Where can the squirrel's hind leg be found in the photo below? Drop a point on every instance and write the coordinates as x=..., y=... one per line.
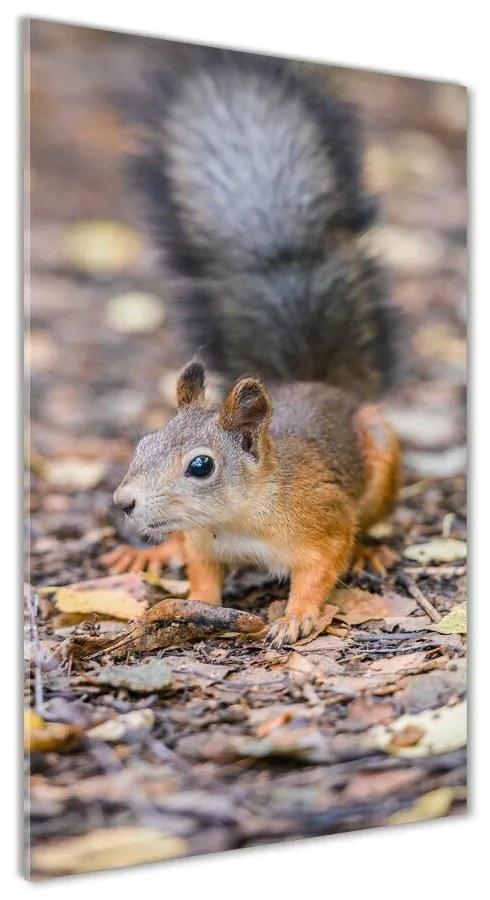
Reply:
x=377, y=557
x=152, y=559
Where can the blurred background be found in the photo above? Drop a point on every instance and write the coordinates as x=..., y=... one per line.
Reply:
x=99, y=359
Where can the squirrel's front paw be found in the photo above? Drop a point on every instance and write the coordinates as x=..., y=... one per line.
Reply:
x=290, y=628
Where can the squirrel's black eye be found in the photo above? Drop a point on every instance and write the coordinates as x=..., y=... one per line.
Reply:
x=200, y=467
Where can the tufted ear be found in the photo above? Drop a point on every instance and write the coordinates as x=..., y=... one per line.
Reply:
x=246, y=410
x=190, y=385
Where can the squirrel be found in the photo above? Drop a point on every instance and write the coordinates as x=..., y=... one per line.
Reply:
x=252, y=173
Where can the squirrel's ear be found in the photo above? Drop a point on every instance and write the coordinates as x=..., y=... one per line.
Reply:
x=190, y=384
x=246, y=410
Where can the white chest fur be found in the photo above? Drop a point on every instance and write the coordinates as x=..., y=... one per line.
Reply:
x=242, y=549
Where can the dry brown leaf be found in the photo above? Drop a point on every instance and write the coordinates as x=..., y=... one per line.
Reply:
x=271, y=724
x=168, y=624
x=105, y=848
x=357, y=606
x=307, y=744
x=369, y=785
x=329, y=612
x=366, y=711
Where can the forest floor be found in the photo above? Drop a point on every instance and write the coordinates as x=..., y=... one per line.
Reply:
x=222, y=742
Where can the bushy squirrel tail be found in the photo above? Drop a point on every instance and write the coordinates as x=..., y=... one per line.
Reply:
x=251, y=169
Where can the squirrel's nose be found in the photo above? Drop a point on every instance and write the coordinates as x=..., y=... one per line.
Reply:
x=125, y=501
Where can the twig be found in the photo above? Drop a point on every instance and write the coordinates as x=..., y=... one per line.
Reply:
x=415, y=592
x=33, y=600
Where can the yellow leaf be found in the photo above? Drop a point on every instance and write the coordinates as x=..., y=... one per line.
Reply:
x=432, y=805
x=454, y=623
x=174, y=587
x=116, y=603
x=42, y=737
x=105, y=247
x=441, y=731
x=74, y=474
x=115, y=729
x=441, y=550
x=134, y=313
x=106, y=848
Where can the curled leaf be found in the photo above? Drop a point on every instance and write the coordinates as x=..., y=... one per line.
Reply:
x=168, y=624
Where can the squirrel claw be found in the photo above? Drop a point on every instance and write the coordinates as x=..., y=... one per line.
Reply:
x=378, y=557
x=133, y=559
x=289, y=629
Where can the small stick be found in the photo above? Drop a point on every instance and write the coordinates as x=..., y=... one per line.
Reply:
x=415, y=592
x=33, y=600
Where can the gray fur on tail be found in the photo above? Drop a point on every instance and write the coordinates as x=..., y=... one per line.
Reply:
x=251, y=169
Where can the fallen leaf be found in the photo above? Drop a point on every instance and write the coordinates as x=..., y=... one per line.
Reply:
x=407, y=737
x=172, y=586
x=135, y=313
x=367, y=785
x=434, y=689
x=307, y=744
x=43, y=737
x=145, y=678
x=115, y=729
x=116, y=604
x=326, y=618
x=102, y=247
x=117, y=596
x=271, y=724
x=73, y=474
x=439, y=550
x=358, y=606
x=454, y=623
x=168, y=624
x=432, y=805
x=444, y=730
x=106, y=848
x=366, y=711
